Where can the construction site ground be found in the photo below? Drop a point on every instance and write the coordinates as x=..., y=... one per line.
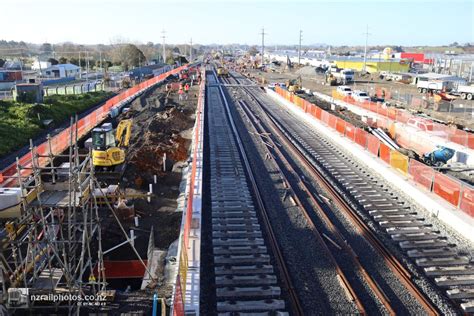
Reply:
x=162, y=125
x=461, y=113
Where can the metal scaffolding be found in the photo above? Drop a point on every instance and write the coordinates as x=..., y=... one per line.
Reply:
x=54, y=245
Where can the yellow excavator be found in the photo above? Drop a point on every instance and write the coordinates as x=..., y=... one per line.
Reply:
x=108, y=149
x=293, y=85
x=222, y=72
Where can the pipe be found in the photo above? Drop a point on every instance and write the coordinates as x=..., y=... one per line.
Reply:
x=155, y=304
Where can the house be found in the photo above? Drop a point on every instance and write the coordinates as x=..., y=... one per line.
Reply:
x=61, y=71
x=40, y=65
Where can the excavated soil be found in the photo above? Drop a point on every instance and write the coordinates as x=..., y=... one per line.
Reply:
x=160, y=126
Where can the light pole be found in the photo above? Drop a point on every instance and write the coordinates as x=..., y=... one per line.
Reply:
x=365, y=48
x=164, y=48
x=263, y=42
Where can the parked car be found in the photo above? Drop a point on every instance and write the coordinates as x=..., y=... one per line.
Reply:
x=344, y=90
x=360, y=96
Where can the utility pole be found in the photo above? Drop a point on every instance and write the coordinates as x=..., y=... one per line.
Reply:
x=365, y=49
x=299, y=49
x=80, y=68
x=263, y=42
x=164, y=48
x=191, y=50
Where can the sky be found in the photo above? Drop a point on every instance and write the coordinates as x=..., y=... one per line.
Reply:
x=409, y=23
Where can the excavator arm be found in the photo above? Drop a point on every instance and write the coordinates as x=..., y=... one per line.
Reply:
x=123, y=133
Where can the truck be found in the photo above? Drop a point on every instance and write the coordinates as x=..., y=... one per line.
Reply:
x=336, y=75
x=425, y=86
x=465, y=92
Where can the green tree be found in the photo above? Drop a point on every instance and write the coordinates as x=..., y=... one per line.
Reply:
x=127, y=55
x=253, y=51
x=62, y=60
x=46, y=48
x=2, y=62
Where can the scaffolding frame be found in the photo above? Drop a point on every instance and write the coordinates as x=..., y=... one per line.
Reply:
x=55, y=238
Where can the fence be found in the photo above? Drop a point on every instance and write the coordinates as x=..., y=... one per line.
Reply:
x=75, y=88
x=180, y=288
x=60, y=142
x=402, y=116
x=457, y=193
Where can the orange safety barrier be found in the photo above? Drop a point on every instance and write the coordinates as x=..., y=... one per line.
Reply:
x=447, y=188
x=325, y=117
x=470, y=141
x=385, y=153
x=318, y=112
x=340, y=126
x=361, y=137
x=350, y=131
x=392, y=113
x=178, y=302
x=399, y=161
x=332, y=121
x=421, y=174
x=373, y=144
x=467, y=200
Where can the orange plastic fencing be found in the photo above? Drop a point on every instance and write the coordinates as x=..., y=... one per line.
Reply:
x=332, y=121
x=385, y=153
x=178, y=302
x=421, y=174
x=325, y=117
x=361, y=137
x=373, y=144
x=341, y=126
x=467, y=200
x=399, y=161
x=350, y=131
x=447, y=188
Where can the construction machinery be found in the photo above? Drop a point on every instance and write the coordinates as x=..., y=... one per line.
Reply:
x=222, y=72
x=108, y=149
x=293, y=85
x=439, y=156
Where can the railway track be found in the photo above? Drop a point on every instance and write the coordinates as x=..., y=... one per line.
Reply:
x=347, y=182
x=245, y=278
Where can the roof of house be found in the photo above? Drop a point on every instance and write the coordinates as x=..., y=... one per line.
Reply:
x=64, y=66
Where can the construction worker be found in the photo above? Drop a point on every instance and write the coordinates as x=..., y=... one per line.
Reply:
x=186, y=90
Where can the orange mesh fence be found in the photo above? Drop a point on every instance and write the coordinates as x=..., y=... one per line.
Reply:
x=467, y=200
x=385, y=153
x=399, y=161
x=361, y=137
x=421, y=174
x=447, y=188
x=373, y=144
